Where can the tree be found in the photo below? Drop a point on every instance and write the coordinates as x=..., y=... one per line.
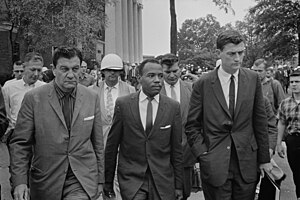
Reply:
x=42, y=24
x=223, y=4
x=278, y=23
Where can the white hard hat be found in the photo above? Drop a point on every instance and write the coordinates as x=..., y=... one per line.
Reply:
x=83, y=64
x=111, y=61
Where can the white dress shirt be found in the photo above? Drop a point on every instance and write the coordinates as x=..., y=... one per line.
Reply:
x=13, y=93
x=114, y=93
x=143, y=102
x=176, y=89
x=225, y=83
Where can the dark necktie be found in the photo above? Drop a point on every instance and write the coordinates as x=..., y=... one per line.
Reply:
x=149, y=116
x=231, y=96
x=67, y=110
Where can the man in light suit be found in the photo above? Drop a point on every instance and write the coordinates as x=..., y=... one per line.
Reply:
x=147, y=131
x=108, y=91
x=227, y=125
x=180, y=91
x=57, y=146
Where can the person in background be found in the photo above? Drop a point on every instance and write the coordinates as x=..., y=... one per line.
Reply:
x=288, y=128
x=146, y=134
x=132, y=75
x=57, y=145
x=227, y=125
x=84, y=77
x=271, y=88
x=18, y=70
x=108, y=91
x=180, y=91
x=13, y=92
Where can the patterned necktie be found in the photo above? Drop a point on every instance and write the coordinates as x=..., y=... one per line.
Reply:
x=173, y=93
x=231, y=96
x=109, y=104
x=149, y=116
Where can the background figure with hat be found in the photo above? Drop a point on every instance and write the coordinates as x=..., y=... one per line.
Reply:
x=85, y=78
x=132, y=75
x=109, y=90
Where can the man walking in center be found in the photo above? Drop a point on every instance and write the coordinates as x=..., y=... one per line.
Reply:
x=57, y=145
x=227, y=125
x=147, y=132
x=180, y=91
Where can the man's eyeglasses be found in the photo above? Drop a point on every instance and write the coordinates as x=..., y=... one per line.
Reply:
x=19, y=71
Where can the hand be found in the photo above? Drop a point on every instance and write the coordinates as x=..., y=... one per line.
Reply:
x=178, y=194
x=108, y=191
x=265, y=167
x=280, y=150
x=21, y=192
x=100, y=189
x=271, y=153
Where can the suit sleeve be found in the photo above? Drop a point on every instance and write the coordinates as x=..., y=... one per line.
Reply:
x=260, y=124
x=272, y=128
x=194, y=126
x=112, y=144
x=21, y=142
x=177, y=155
x=97, y=141
x=3, y=119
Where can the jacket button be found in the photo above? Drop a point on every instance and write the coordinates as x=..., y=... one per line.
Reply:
x=228, y=147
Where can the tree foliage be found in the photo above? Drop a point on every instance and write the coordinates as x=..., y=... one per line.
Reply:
x=278, y=24
x=42, y=24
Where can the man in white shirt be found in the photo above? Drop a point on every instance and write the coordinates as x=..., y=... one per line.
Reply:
x=13, y=92
x=18, y=70
x=180, y=91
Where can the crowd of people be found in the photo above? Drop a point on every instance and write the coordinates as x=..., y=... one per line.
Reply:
x=137, y=134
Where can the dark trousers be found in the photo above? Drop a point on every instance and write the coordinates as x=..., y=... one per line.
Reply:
x=235, y=188
x=293, y=156
x=148, y=190
x=187, y=181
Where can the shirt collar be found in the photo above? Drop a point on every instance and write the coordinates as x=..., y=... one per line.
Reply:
x=115, y=86
x=61, y=94
x=227, y=75
x=175, y=86
x=143, y=96
x=26, y=84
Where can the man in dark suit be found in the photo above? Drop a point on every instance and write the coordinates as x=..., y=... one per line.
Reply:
x=180, y=91
x=147, y=131
x=227, y=125
x=57, y=145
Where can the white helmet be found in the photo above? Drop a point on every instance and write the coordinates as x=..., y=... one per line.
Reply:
x=111, y=61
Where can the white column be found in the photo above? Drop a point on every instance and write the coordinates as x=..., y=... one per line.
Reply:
x=140, y=29
x=125, y=31
x=110, y=31
x=135, y=31
x=119, y=28
x=130, y=31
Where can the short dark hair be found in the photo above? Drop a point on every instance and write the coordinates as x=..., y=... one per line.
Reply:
x=19, y=62
x=66, y=52
x=261, y=61
x=142, y=65
x=229, y=36
x=169, y=59
x=33, y=56
x=295, y=73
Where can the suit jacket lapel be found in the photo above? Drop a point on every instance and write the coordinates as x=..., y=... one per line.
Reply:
x=53, y=100
x=160, y=113
x=241, y=94
x=78, y=104
x=135, y=111
x=184, y=98
x=218, y=91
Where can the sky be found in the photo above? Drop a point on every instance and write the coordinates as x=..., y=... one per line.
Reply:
x=156, y=19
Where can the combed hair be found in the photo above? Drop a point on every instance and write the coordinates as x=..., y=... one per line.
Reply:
x=66, y=52
x=229, y=36
x=142, y=65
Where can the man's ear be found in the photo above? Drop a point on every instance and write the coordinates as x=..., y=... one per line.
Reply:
x=218, y=52
x=139, y=78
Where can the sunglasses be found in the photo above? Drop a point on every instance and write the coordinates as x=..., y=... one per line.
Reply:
x=19, y=71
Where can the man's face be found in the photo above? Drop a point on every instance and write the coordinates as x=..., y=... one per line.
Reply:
x=18, y=71
x=260, y=69
x=111, y=75
x=32, y=71
x=232, y=56
x=83, y=69
x=171, y=74
x=295, y=84
x=269, y=73
x=152, y=79
x=67, y=73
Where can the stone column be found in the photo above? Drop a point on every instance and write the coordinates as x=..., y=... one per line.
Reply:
x=130, y=31
x=135, y=31
x=125, y=31
x=140, y=30
x=110, y=31
x=119, y=28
